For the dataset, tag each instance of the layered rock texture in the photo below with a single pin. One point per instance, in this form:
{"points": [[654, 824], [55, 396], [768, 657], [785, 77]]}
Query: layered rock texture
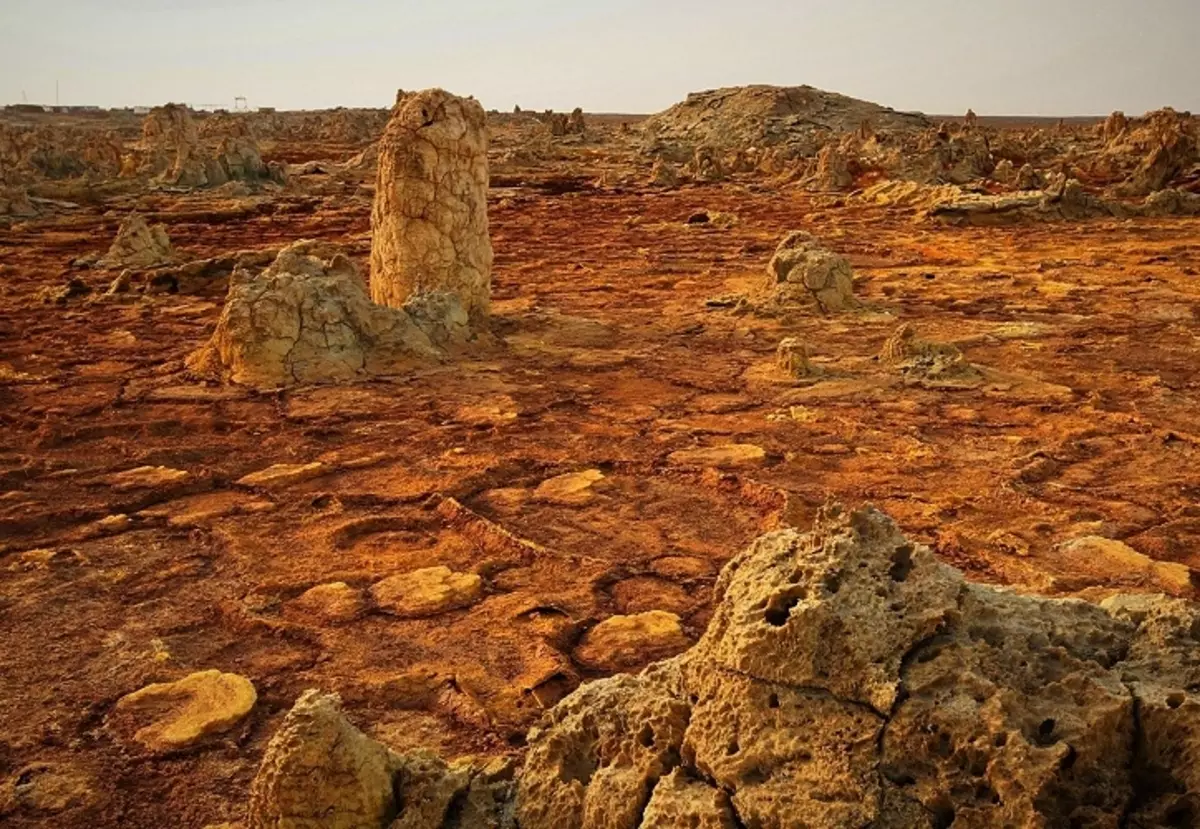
{"points": [[429, 221], [307, 319], [847, 679]]}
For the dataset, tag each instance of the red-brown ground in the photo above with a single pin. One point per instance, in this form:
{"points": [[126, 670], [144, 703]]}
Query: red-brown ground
{"points": [[1086, 426]]}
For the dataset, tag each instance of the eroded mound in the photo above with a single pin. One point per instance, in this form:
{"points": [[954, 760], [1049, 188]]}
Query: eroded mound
{"points": [[309, 320], [847, 679], [800, 118], [803, 272]]}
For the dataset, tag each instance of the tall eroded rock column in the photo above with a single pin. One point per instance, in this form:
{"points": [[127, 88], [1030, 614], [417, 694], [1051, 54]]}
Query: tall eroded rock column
{"points": [[429, 222]]}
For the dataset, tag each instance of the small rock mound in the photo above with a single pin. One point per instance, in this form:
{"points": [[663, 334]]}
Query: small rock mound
{"points": [[319, 770], [927, 363], [308, 320], [791, 358], [138, 245], [804, 273]]}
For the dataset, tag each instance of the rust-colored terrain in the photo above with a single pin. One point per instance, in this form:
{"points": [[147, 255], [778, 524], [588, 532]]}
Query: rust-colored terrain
{"points": [[620, 342]]}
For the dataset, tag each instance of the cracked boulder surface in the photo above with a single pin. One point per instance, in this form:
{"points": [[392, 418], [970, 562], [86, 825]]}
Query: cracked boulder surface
{"points": [[849, 679], [804, 272], [308, 320], [429, 220]]}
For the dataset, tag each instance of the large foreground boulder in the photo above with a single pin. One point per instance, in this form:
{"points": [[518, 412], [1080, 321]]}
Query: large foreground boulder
{"points": [[306, 319], [429, 221], [849, 679]]}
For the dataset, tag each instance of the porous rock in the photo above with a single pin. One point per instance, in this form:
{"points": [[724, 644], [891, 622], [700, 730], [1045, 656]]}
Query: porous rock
{"points": [[429, 221], [927, 363], [849, 679], [804, 272], [305, 320], [320, 772]]}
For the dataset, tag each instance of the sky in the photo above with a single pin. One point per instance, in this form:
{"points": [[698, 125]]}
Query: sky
{"points": [[999, 57]]}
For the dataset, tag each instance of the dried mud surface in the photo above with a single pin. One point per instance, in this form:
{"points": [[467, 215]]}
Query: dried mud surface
{"points": [[1085, 425]]}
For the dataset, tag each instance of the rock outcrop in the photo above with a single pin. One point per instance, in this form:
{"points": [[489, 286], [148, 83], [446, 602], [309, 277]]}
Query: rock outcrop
{"points": [[309, 320], [171, 150], [429, 221], [804, 273], [139, 245], [800, 119], [927, 363], [847, 679], [320, 772]]}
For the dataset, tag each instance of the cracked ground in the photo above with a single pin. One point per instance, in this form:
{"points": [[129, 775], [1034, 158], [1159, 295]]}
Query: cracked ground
{"points": [[1085, 425]]}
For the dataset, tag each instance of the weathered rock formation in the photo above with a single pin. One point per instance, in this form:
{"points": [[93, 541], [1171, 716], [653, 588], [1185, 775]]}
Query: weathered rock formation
{"points": [[305, 320], [429, 221], [575, 123], [847, 679], [320, 772], [927, 363], [804, 273], [14, 201], [791, 358], [800, 119], [138, 245], [171, 150]]}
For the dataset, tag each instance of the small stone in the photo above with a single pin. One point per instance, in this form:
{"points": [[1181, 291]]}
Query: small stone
{"points": [[283, 475], [570, 490], [729, 455], [624, 643], [792, 358], [333, 602], [174, 715], [45, 788], [427, 592], [146, 477], [114, 523]]}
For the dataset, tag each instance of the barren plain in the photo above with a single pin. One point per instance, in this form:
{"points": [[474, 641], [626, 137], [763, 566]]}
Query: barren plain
{"points": [[626, 428]]}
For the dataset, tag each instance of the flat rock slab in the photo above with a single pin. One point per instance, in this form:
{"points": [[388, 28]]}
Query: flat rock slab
{"points": [[572, 489], [624, 643], [427, 592], [333, 602], [174, 715], [146, 477], [729, 455], [283, 475]]}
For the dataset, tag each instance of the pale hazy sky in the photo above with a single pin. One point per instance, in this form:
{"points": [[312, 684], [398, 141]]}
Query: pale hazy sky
{"points": [[1035, 57]]}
